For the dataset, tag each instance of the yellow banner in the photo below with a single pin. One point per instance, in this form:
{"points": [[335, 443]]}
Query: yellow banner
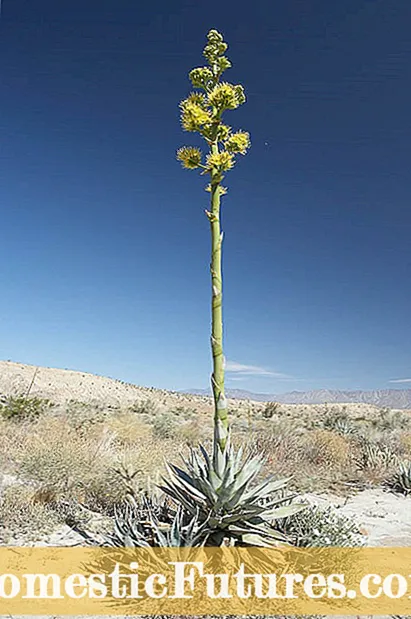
{"points": [[217, 581]]}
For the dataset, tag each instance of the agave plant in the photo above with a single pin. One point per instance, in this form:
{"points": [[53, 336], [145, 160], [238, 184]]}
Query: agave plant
{"points": [[219, 491], [150, 523], [401, 481], [374, 456]]}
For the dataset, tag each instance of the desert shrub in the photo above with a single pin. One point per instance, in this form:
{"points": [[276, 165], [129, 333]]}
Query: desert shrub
{"points": [[128, 428], [319, 526], [22, 514], [280, 442], [85, 418], [387, 420], [184, 411], [374, 461], [337, 420], [323, 447], [270, 410], [60, 460], [405, 442], [21, 408], [164, 426], [54, 454], [11, 436], [149, 407], [192, 433], [375, 455]]}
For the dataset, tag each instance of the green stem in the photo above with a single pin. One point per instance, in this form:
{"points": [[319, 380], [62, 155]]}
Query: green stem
{"points": [[217, 378]]}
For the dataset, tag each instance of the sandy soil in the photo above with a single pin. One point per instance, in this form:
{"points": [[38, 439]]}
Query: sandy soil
{"points": [[386, 517]]}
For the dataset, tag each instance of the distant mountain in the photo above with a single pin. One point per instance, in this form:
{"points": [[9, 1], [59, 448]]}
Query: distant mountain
{"points": [[392, 398]]}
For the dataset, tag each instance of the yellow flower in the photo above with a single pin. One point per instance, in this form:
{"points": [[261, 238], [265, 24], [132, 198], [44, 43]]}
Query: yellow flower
{"points": [[225, 96], [222, 161], [201, 77], [193, 116], [238, 142], [198, 98], [223, 132], [190, 157]]}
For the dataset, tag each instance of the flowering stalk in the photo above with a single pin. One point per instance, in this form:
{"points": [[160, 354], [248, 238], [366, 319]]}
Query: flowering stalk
{"points": [[202, 112]]}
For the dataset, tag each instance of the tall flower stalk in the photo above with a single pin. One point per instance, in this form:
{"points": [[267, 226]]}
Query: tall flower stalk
{"points": [[218, 500], [202, 113]]}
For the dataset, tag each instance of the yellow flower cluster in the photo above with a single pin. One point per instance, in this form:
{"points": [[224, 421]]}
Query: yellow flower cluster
{"points": [[214, 51], [198, 98], [222, 161], [193, 115], [201, 77], [190, 157], [223, 132], [238, 142], [225, 96], [202, 112]]}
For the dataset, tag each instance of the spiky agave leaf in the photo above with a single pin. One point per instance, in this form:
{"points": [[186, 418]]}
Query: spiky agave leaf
{"points": [[150, 524], [183, 531], [219, 490], [401, 481]]}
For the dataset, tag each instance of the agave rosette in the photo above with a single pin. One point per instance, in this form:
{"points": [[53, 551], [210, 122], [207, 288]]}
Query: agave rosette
{"points": [[220, 491]]}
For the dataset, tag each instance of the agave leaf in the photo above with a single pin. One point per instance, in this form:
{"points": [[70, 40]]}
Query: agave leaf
{"points": [[242, 513], [229, 474], [279, 500], [268, 534], [200, 468], [267, 487], [285, 512], [239, 486], [225, 490], [206, 482], [254, 539], [185, 485], [175, 528], [248, 471], [205, 455], [179, 496], [180, 473], [238, 458], [218, 462], [220, 457], [163, 540]]}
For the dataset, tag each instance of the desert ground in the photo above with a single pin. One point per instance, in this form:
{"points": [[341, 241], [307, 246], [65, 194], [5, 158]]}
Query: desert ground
{"points": [[74, 445], [131, 429]]}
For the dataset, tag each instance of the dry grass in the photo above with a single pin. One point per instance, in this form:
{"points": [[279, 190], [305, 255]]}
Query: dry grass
{"points": [[21, 513], [128, 429], [95, 456], [326, 448], [96, 469], [405, 443]]}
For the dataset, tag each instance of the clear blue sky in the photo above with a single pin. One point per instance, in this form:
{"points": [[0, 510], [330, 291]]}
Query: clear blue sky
{"points": [[104, 247]]}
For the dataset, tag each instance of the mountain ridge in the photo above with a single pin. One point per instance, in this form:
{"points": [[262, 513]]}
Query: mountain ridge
{"points": [[60, 384], [392, 398]]}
